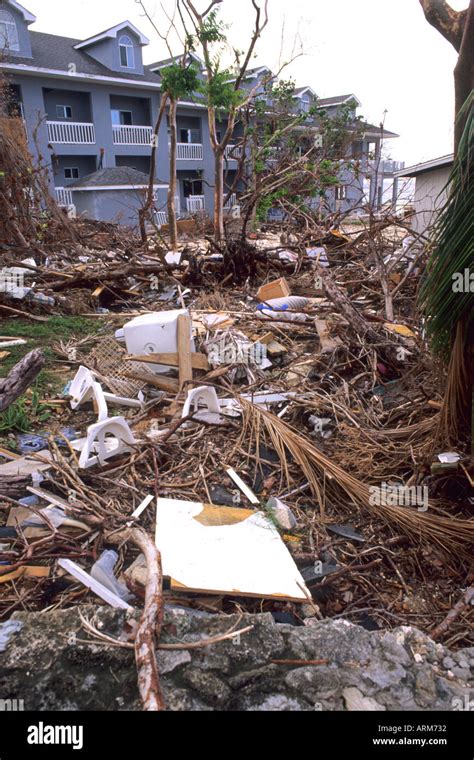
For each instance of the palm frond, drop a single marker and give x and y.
(451, 534)
(443, 304)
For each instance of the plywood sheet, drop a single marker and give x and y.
(225, 550)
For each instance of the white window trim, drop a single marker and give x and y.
(130, 52)
(93, 188)
(71, 169)
(123, 110)
(113, 32)
(12, 42)
(60, 105)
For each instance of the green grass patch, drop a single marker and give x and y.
(41, 335)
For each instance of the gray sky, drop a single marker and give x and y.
(383, 51)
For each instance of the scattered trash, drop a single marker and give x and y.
(320, 254)
(7, 630)
(322, 426)
(282, 316)
(291, 303)
(221, 495)
(154, 333)
(274, 290)
(449, 457)
(103, 572)
(28, 443)
(347, 531)
(281, 513)
(243, 487)
(319, 570)
(98, 588)
(96, 448)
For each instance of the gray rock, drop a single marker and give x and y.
(448, 663)
(46, 665)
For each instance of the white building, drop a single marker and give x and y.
(431, 178)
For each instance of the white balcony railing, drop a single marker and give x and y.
(71, 132)
(161, 217)
(63, 196)
(231, 202)
(233, 152)
(131, 135)
(195, 204)
(189, 152)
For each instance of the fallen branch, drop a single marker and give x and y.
(466, 599)
(20, 377)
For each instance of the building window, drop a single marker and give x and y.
(341, 193)
(305, 105)
(192, 187)
(64, 112)
(127, 57)
(121, 118)
(71, 172)
(189, 136)
(8, 32)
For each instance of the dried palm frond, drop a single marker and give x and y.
(450, 533)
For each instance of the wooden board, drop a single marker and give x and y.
(184, 350)
(198, 361)
(168, 384)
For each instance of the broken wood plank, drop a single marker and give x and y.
(23, 313)
(198, 361)
(168, 384)
(184, 350)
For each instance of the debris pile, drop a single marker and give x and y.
(253, 429)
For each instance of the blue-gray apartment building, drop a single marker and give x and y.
(89, 107)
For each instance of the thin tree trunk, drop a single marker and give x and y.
(173, 227)
(218, 196)
(143, 213)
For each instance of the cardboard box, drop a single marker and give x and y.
(275, 289)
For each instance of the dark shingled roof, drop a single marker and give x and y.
(299, 90)
(50, 51)
(118, 175)
(335, 99)
(376, 128)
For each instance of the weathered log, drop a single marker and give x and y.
(20, 378)
(14, 486)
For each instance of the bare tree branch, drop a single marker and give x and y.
(446, 20)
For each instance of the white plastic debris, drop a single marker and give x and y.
(449, 457)
(104, 440)
(98, 588)
(154, 333)
(103, 572)
(205, 396)
(281, 513)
